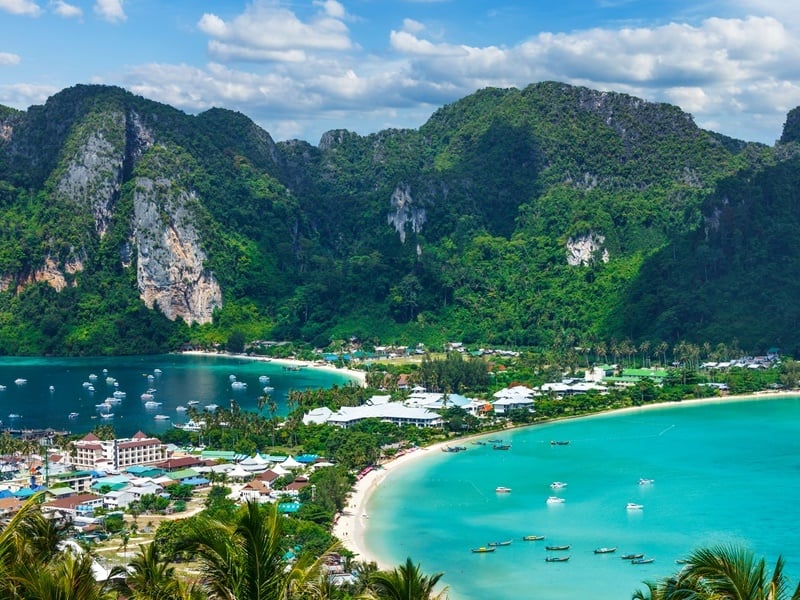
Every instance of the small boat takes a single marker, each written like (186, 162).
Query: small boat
(501, 489)
(113, 400)
(3, 388)
(557, 548)
(533, 538)
(483, 549)
(555, 500)
(90, 389)
(557, 558)
(181, 409)
(106, 415)
(503, 543)
(14, 416)
(119, 394)
(146, 396)
(238, 385)
(72, 415)
(263, 379)
(557, 485)
(20, 381)
(92, 377)
(268, 389)
(210, 407)
(642, 561)
(454, 448)
(157, 371)
(631, 556)
(103, 406)
(479, 443)
(502, 446)
(495, 441)
(559, 442)
(193, 402)
(52, 388)
(161, 417)
(605, 550)
(634, 506)
(643, 481)
(152, 404)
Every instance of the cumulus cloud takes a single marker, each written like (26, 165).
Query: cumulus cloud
(23, 95)
(110, 10)
(21, 7)
(267, 32)
(68, 11)
(7, 58)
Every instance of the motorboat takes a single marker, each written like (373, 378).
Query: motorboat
(501, 489)
(263, 379)
(557, 548)
(559, 442)
(631, 556)
(502, 446)
(643, 481)
(152, 404)
(556, 558)
(161, 417)
(605, 550)
(146, 396)
(634, 506)
(108, 415)
(642, 561)
(193, 402)
(191, 426)
(72, 415)
(119, 394)
(181, 409)
(533, 538)
(483, 549)
(20, 381)
(558, 485)
(503, 543)
(555, 500)
(210, 407)
(14, 416)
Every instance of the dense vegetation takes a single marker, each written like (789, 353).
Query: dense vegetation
(457, 230)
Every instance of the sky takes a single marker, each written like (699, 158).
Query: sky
(299, 68)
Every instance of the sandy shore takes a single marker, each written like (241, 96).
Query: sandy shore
(352, 523)
(359, 376)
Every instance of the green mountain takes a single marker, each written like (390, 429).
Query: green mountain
(552, 215)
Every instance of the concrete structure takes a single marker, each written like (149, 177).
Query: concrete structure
(94, 453)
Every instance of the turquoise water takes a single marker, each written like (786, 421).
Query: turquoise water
(183, 378)
(724, 472)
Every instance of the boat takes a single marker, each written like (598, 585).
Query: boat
(555, 500)
(161, 417)
(106, 415)
(631, 556)
(502, 446)
(634, 506)
(146, 396)
(268, 389)
(556, 558)
(20, 381)
(113, 400)
(181, 409)
(263, 379)
(559, 442)
(503, 543)
(90, 389)
(557, 548)
(643, 481)
(191, 426)
(152, 404)
(238, 385)
(532, 538)
(14, 416)
(103, 406)
(193, 402)
(678, 561)
(119, 394)
(52, 388)
(557, 485)
(454, 448)
(210, 407)
(72, 415)
(479, 443)
(157, 371)
(2, 388)
(501, 489)
(483, 549)
(605, 550)
(92, 377)
(642, 561)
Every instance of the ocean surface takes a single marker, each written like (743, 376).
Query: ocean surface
(722, 473)
(182, 378)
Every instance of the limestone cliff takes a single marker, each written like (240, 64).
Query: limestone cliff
(404, 212)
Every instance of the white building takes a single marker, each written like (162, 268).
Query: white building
(93, 453)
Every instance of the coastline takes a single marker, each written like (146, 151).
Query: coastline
(351, 524)
(359, 376)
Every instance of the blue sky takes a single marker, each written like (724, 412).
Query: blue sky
(299, 68)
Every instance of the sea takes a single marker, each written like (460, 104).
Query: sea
(49, 389)
(722, 473)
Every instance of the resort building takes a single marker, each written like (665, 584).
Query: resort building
(518, 397)
(91, 452)
(378, 407)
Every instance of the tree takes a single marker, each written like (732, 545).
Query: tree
(723, 572)
(406, 582)
(149, 577)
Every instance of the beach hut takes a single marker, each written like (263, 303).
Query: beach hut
(291, 464)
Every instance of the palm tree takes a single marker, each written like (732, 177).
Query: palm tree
(150, 578)
(246, 560)
(406, 582)
(724, 572)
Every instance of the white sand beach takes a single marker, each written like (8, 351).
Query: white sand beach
(352, 523)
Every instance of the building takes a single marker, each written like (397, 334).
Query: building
(91, 452)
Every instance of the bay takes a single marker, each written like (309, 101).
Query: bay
(724, 472)
(182, 377)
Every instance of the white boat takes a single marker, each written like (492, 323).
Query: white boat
(119, 394)
(113, 400)
(103, 406)
(92, 377)
(52, 388)
(180, 409)
(501, 489)
(86, 384)
(146, 396)
(238, 385)
(72, 415)
(107, 416)
(20, 381)
(231, 377)
(263, 380)
(157, 371)
(557, 485)
(210, 407)
(268, 389)
(161, 417)
(634, 506)
(190, 426)
(90, 389)
(2, 388)
(13, 416)
(193, 402)
(110, 381)
(152, 404)
(644, 481)
(555, 500)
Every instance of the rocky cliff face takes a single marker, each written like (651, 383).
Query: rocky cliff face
(586, 249)
(170, 263)
(404, 212)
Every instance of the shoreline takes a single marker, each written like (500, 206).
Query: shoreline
(351, 524)
(359, 376)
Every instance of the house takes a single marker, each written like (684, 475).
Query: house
(73, 507)
(92, 453)
(176, 463)
(513, 398)
(392, 412)
(255, 490)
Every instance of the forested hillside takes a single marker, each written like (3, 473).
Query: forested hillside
(548, 216)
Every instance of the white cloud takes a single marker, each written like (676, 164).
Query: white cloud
(7, 58)
(412, 26)
(23, 95)
(267, 32)
(68, 11)
(110, 10)
(21, 7)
